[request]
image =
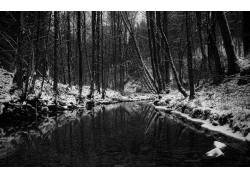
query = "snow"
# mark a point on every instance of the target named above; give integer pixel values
(244, 63)
(219, 145)
(185, 116)
(216, 152)
(225, 104)
(207, 125)
(248, 138)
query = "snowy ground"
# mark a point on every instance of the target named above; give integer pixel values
(221, 108)
(67, 96)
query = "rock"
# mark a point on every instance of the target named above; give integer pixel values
(213, 154)
(219, 145)
(215, 123)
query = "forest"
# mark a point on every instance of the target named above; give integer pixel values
(193, 62)
(157, 50)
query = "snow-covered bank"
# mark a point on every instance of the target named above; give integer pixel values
(223, 109)
(207, 125)
(67, 97)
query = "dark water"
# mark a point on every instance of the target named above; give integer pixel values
(127, 134)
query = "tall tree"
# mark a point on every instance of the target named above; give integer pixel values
(56, 27)
(34, 74)
(150, 46)
(130, 29)
(98, 53)
(158, 48)
(167, 63)
(246, 32)
(228, 43)
(69, 47)
(102, 59)
(168, 53)
(213, 52)
(180, 52)
(80, 51)
(45, 60)
(203, 53)
(189, 57)
(154, 46)
(19, 53)
(93, 52)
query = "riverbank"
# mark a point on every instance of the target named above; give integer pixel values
(67, 97)
(224, 108)
(22, 118)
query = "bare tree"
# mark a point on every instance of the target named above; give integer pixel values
(246, 32)
(189, 58)
(69, 47)
(228, 44)
(168, 53)
(56, 27)
(80, 51)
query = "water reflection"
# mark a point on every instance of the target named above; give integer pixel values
(127, 134)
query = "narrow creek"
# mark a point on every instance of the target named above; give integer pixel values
(125, 134)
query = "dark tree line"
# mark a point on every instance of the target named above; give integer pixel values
(159, 50)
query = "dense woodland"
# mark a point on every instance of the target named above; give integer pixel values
(159, 50)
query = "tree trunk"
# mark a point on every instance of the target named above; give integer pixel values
(102, 63)
(93, 52)
(168, 53)
(246, 32)
(150, 46)
(34, 74)
(189, 58)
(56, 27)
(180, 54)
(158, 48)
(69, 47)
(45, 61)
(98, 59)
(228, 44)
(61, 57)
(114, 50)
(19, 53)
(80, 51)
(213, 52)
(203, 67)
(85, 46)
(131, 31)
(167, 64)
(152, 27)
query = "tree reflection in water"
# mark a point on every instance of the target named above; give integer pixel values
(126, 134)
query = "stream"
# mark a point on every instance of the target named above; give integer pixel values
(126, 134)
